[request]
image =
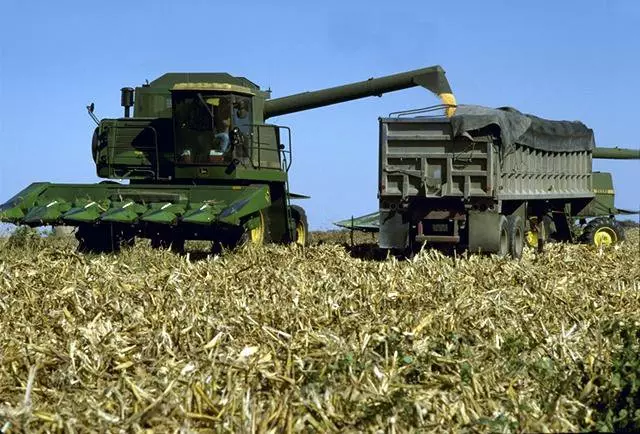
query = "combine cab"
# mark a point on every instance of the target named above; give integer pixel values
(200, 161)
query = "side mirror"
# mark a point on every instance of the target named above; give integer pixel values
(90, 109)
(281, 146)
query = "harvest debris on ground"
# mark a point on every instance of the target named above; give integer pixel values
(286, 338)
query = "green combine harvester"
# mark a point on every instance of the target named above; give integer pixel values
(201, 163)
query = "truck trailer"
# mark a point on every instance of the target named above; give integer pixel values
(490, 180)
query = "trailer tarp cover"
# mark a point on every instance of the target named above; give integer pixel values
(523, 129)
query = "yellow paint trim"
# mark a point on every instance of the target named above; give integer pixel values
(218, 87)
(449, 100)
(603, 191)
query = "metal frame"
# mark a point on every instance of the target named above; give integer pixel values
(155, 149)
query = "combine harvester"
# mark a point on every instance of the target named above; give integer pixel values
(201, 163)
(489, 180)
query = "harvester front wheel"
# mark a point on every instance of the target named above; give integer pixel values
(302, 225)
(602, 232)
(101, 239)
(258, 233)
(175, 244)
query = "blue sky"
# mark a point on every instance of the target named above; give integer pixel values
(573, 60)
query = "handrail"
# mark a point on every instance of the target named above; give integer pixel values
(423, 110)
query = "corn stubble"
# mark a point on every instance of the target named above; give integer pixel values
(279, 339)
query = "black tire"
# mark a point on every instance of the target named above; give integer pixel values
(97, 239)
(176, 244)
(543, 236)
(544, 227)
(249, 237)
(543, 232)
(302, 225)
(126, 239)
(503, 245)
(516, 236)
(602, 229)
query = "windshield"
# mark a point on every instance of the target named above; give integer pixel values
(202, 125)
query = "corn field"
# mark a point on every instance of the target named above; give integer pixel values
(318, 339)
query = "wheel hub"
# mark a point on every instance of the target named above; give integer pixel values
(532, 239)
(604, 237)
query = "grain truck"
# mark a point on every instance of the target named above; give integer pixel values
(489, 180)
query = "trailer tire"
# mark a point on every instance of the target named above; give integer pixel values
(302, 226)
(602, 231)
(503, 246)
(516, 236)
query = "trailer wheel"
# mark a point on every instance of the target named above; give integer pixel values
(302, 226)
(603, 232)
(516, 236)
(504, 237)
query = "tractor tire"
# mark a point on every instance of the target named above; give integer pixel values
(516, 236)
(259, 235)
(175, 244)
(602, 231)
(302, 226)
(97, 239)
(538, 239)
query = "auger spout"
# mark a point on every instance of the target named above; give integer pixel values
(616, 153)
(432, 78)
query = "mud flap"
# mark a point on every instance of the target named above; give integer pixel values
(394, 233)
(484, 231)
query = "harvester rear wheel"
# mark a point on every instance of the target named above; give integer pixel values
(602, 232)
(302, 225)
(516, 236)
